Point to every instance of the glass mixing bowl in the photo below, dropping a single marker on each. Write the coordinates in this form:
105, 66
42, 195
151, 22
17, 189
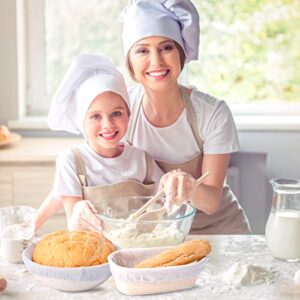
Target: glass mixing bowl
171, 229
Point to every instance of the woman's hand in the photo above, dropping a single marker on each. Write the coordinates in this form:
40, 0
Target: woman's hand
178, 186
84, 217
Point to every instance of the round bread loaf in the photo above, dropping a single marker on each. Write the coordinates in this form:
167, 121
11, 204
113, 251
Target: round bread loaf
4, 133
72, 249
182, 254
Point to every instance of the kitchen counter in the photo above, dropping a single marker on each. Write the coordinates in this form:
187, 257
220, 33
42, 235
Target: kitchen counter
36, 150
226, 250
27, 170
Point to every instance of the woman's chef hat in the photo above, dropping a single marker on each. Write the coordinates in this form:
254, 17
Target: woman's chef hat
175, 19
87, 77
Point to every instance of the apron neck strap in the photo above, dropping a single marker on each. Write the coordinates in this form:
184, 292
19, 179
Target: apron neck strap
80, 167
191, 116
135, 111
149, 168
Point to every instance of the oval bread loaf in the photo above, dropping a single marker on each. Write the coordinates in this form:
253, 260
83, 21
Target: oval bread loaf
72, 249
182, 254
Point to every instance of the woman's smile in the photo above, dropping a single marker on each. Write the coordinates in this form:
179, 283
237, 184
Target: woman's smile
159, 74
155, 60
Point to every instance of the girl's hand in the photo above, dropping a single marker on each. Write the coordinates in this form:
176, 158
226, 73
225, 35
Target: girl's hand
84, 217
178, 186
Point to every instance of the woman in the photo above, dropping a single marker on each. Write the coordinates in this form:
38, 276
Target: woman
92, 100
182, 128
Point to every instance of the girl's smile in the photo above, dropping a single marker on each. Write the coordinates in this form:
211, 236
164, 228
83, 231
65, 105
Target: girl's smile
105, 124
109, 135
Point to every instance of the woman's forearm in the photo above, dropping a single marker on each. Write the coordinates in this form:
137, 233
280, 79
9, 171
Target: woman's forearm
207, 198
208, 195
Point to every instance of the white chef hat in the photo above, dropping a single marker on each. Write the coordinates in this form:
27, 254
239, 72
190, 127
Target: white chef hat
175, 19
88, 76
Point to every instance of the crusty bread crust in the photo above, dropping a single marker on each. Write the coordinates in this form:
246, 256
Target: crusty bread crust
182, 254
4, 133
72, 249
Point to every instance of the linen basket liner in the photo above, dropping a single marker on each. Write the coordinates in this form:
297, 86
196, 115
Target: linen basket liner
121, 264
92, 273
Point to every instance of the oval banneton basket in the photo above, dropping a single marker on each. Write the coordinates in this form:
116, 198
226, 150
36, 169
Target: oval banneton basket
142, 281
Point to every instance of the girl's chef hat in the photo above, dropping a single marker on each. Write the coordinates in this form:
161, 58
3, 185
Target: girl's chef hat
87, 77
176, 19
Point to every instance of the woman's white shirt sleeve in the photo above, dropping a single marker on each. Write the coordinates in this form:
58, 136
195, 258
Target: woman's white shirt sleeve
220, 131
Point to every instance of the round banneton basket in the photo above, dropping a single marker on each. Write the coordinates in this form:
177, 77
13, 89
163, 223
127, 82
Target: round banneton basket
66, 279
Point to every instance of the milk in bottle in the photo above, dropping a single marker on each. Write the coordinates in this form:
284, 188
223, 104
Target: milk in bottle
283, 225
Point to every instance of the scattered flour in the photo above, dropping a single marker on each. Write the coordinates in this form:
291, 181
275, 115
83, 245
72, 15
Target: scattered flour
246, 274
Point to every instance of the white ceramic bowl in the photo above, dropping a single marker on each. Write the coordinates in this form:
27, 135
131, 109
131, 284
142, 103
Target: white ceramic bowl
171, 229
143, 281
66, 279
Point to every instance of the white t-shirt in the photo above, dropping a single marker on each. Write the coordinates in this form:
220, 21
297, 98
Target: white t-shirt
130, 165
176, 143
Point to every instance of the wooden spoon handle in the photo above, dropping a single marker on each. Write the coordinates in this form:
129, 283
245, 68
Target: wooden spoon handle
92, 225
201, 179
136, 214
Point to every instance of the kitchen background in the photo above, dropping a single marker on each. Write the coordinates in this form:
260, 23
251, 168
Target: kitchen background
270, 143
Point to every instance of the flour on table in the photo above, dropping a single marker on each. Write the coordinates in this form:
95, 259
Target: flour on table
246, 274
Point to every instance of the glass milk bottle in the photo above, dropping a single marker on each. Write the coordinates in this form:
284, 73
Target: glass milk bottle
283, 225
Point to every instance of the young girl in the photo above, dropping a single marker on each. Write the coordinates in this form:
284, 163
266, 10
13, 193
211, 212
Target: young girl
92, 99
181, 127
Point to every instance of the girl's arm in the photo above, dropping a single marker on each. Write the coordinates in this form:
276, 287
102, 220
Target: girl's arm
50, 206
81, 214
68, 203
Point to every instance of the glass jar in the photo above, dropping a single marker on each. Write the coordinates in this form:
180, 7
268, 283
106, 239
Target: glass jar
16, 231
283, 225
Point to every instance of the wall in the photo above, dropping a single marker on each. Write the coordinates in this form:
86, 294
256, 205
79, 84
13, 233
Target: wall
283, 161
282, 147
8, 61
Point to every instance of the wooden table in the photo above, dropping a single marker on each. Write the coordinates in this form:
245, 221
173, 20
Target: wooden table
227, 250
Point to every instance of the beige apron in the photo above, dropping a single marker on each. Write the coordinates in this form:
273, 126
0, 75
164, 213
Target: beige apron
102, 194
230, 218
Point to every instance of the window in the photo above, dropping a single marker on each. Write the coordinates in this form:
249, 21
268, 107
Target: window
249, 50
